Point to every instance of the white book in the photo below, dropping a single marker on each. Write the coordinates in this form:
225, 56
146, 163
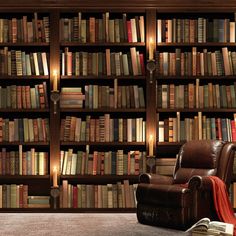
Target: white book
45, 64
73, 164
41, 159
133, 30
64, 167
142, 29
129, 130
159, 30
232, 32
161, 131
28, 66
63, 64
36, 64
144, 131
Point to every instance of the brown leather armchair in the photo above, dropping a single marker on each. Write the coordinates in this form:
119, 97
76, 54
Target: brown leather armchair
169, 202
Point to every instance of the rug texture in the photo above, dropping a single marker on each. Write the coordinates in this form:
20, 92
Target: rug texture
68, 224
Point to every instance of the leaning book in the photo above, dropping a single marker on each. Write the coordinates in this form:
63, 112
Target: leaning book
207, 227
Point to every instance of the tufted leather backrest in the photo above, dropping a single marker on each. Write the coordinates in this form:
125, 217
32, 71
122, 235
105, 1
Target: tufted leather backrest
203, 157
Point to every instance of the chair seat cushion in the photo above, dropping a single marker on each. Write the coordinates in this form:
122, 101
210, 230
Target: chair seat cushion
164, 195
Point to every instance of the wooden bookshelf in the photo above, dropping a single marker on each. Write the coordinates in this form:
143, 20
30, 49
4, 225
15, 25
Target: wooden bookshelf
151, 10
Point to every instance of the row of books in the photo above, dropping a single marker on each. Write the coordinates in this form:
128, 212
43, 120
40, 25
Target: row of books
103, 129
165, 166
98, 196
200, 30
102, 163
18, 97
23, 163
103, 29
17, 62
195, 63
196, 96
24, 130
38, 201
173, 129
118, 97
102, 63
22, 30
13, 196
71, 97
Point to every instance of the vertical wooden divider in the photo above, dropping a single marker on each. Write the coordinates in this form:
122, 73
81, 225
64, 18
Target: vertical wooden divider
54, 65
150, 87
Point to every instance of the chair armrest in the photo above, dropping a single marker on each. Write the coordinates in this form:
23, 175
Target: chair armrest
155, 179
200, 182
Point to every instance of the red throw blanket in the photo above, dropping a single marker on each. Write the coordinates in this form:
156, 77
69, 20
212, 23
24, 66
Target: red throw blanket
222, 204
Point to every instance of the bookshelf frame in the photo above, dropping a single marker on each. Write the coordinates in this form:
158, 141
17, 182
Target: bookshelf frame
150, 9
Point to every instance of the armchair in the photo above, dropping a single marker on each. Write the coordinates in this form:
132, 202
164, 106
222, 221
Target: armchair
179, 201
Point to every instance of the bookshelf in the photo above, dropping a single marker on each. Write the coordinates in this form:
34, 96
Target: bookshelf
151, 113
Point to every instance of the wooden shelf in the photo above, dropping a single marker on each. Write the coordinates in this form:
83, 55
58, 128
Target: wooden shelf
207, 44
103, 110
187, 78
206, 110
115, 144
24, 44
98, 44
170, 143
169, 148
99, 179
24, 177
68, 210
33, 110
24, 143
91, 77
24, 77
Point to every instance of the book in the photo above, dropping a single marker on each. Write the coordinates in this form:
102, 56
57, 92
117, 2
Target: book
207, 227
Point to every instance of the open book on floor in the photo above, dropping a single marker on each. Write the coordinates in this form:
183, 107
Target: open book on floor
207, 227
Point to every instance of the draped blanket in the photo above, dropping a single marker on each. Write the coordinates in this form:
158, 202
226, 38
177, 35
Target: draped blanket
222, 204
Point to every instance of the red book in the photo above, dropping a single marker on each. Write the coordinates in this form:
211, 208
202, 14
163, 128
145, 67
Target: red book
75, 197
27, 95
41, 96
129, 32
128, 164
233, 128
36, 130
141, 57
44, 130
25, 196
19, 97
24, 164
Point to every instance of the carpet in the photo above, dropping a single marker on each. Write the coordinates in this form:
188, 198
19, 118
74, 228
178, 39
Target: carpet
73, 224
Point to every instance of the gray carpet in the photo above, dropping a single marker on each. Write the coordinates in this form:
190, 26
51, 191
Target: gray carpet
39, 224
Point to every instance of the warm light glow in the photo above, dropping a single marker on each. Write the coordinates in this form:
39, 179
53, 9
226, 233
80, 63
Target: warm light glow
55, 80
151, 48
150, 145
54, 177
